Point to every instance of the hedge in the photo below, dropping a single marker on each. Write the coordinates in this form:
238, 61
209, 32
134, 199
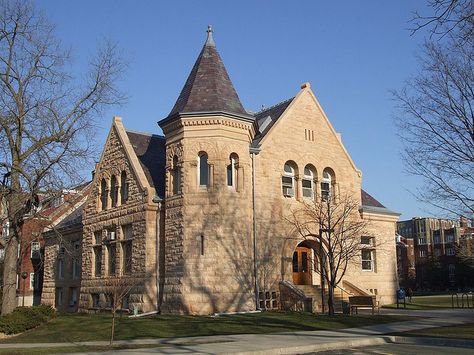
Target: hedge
24, 318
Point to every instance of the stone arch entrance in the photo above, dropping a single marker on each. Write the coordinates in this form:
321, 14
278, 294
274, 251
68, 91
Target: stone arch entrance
305, 264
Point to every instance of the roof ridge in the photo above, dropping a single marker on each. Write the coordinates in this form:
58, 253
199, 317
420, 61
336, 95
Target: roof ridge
273, 106
144, 133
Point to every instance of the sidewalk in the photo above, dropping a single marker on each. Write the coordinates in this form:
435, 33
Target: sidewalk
286, 343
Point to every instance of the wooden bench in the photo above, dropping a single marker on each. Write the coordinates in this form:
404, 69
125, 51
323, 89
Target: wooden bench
356, 302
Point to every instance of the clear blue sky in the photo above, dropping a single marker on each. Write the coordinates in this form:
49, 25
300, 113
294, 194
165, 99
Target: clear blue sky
352, 52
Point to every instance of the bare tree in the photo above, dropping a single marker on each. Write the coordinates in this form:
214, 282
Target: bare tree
119, 290
449, 16
338, 226
46, 117
436, 124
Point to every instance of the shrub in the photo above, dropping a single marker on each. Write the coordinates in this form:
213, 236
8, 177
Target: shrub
24, 318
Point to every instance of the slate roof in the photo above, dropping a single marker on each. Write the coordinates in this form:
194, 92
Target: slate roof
208, 87
151, 152
368, 200
73, 219
274, 112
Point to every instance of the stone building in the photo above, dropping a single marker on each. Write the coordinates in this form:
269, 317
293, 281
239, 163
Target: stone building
434, 243
199, 216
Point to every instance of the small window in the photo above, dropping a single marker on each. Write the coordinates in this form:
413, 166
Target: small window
33, 284
123, 188
421, 240
76, 269
95, 300
326, 184
35, 250
202, 245
288, 181
366, 241
176, 176
60, 269
97, 261
308, 183
452, 273
450, 251
113, 191
423, 253
295, 262
103, 194
127, 257
74, 296
232, 171
449, 238
203, 166
59, 296
98, 237
127, 232
112, 251
367, 260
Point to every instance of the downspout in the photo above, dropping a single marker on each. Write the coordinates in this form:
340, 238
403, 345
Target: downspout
253, 152
159, 201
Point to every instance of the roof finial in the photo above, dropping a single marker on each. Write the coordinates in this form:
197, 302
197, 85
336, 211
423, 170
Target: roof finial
210, 40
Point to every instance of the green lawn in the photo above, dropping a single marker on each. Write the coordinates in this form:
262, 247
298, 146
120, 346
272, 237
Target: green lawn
427, 302
464, 331
86, 327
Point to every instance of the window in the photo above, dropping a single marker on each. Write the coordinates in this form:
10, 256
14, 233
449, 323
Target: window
59, 297
35, 250
113, 191
308, 182
232, 170
127, 257
176, 176
295, 262
449, 238
422, 253
76, 269
450, 251
202, 245
452, 272
103, 194
33, 284
288, 180
366, 241
61, 269
436, 239
98, 237
326, 185
127, 231
367, 260
61, 252
73, 296
203, 167
112, 254
6, 230
95, 300
421, 240
97, 261
109, 300
123, 188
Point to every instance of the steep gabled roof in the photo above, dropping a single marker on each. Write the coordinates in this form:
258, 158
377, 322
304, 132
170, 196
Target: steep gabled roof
274, 113
208, 88
151, 152
368, 200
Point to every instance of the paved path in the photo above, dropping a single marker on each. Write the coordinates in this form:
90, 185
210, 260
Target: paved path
290, 342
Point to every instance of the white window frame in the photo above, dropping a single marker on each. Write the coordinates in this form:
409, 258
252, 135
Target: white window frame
233, 173
288, 189
32, 280
370, 261
421, 240
308, 175
423, 253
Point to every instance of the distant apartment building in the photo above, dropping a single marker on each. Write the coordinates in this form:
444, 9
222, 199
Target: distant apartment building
427, 251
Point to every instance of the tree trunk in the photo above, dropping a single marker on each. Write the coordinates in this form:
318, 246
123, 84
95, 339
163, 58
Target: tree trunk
330, 299
9, 301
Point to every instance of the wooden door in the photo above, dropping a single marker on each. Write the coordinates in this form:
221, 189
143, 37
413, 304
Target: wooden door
302, 266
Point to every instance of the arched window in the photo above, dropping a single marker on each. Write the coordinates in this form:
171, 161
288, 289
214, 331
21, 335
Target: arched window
308, 182
326, 185
123, 188
103, 194
203, 167
113, 191
288, 180
176, 176
232, 170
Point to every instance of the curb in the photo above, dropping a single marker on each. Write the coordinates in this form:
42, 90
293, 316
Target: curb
455, 343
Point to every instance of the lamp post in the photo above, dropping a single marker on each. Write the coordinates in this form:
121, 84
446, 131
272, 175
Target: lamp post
24, 275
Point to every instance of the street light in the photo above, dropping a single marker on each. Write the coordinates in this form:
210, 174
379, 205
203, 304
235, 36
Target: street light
24, 275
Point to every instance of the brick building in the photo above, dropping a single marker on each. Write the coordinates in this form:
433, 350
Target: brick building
193, 215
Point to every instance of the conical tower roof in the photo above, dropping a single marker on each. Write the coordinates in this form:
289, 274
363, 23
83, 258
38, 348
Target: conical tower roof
208, 87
